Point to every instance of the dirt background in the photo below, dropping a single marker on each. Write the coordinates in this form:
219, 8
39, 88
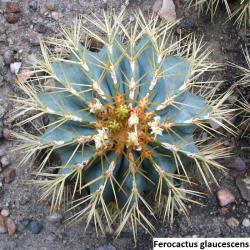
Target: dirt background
39, 19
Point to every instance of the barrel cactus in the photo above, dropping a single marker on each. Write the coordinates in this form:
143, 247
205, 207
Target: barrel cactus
208, 6
244, 70
121, 119
244, 82
241, 14
239, 11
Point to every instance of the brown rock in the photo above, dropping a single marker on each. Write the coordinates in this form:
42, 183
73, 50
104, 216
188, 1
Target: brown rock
3, 228
6, 133
223, 211
13, 7
168, 10
238, 164
57, 15
225, 197
243, 183
9, 175
237, 167
12, 18
43, 10
5, 212
41, 28
24, 75
11, 227
233, 223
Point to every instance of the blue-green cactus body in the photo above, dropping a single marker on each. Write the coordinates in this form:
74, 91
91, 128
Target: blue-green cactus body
175, 71
121, 121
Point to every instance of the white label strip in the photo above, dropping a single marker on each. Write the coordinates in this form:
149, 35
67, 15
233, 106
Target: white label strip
201, 243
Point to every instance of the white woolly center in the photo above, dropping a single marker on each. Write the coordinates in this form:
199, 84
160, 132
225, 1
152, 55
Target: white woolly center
97, 106
73, 118
98, 89
133, 138
155, 126
101, 139
133, 120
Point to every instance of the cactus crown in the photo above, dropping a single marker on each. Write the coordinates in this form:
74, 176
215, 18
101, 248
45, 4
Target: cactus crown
121, 119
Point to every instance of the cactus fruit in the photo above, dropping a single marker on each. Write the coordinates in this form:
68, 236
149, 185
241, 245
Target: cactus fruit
239, 11
121, 120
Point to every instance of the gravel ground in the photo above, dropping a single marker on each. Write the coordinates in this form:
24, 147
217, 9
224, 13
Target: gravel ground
20, 33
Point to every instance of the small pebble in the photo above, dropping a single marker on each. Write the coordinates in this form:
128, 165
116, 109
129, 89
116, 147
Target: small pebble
238, 164
9, 175
35, 227
6, 133
57, 15
5, 212
33, 5
15, 67
11, 227
8, 56
246, 222
109, 230
232, 223
43, 10
12, 18
5, 161
225, 197
51, 237
223, 211
54, 218
41, 28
